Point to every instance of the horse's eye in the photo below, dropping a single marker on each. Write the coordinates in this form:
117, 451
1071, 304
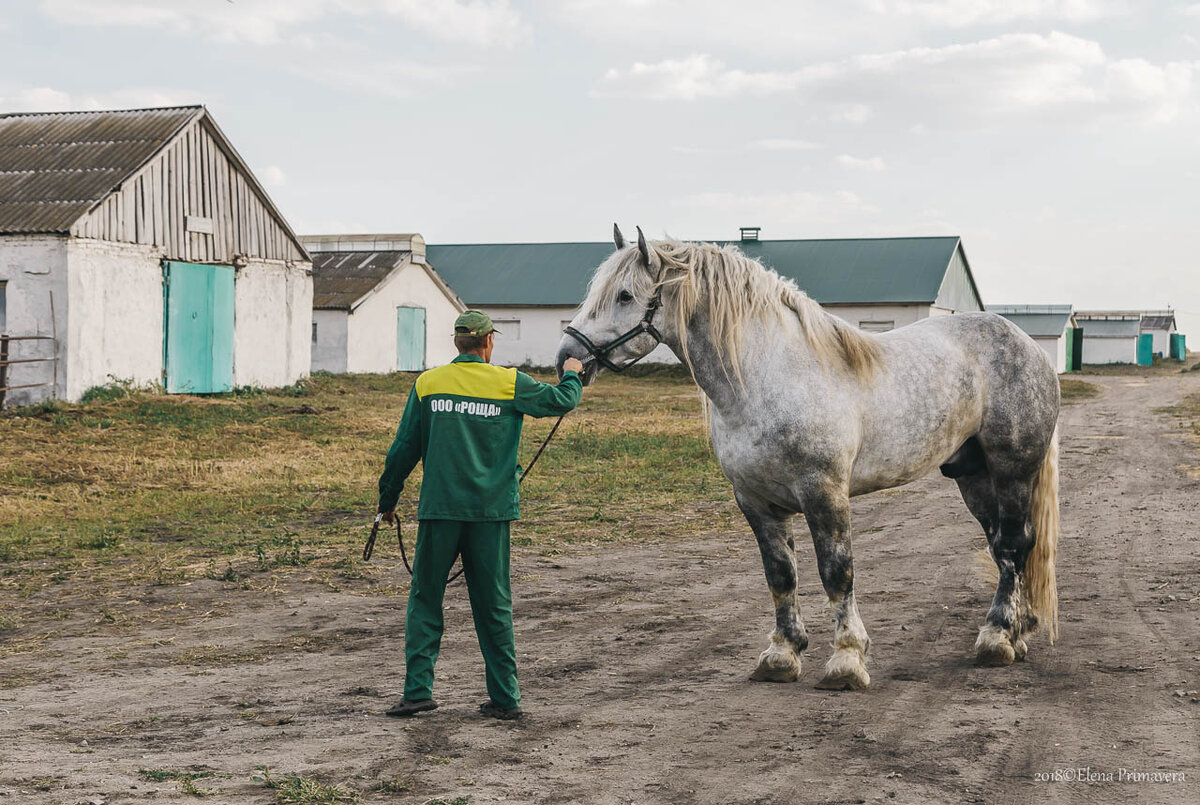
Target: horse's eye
624, 297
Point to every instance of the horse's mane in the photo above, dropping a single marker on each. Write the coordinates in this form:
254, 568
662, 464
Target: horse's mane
734, 290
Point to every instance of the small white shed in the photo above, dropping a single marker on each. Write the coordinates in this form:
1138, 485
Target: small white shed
1051, 326
378, 306
1110, 336
137, 245
1160, 324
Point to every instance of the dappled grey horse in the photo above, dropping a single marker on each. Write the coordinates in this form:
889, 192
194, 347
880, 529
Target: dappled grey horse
807, 411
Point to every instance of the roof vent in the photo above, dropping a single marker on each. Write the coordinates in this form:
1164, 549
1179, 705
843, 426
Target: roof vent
750, 233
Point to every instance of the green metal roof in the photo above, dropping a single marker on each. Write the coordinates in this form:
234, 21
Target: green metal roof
845, 271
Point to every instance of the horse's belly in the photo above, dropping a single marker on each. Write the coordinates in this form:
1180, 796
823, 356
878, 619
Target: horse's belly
886, 463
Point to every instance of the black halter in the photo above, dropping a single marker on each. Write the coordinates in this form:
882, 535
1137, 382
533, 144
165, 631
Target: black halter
600, 353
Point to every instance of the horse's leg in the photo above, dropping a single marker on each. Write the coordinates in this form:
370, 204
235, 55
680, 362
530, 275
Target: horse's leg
829, 521
780, 662
980, 496
1011, 539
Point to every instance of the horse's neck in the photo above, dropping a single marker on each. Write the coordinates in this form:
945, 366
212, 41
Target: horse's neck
767, 348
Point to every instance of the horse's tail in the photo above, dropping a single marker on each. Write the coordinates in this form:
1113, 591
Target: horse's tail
1041, 590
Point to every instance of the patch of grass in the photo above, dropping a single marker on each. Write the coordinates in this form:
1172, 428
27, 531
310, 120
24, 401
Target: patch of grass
116, 389
1075, 390
303, 790
396, 786
165, 775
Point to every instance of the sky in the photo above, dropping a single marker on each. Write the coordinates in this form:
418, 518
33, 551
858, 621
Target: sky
1059, 138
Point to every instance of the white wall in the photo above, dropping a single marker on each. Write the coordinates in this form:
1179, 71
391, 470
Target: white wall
371, 332
1055, 349
1162, 342
900, 314
34, 267
329, 351
272, 332
1108, 350
115, 324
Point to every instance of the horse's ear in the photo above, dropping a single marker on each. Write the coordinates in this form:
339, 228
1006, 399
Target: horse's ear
643, 248
618, 238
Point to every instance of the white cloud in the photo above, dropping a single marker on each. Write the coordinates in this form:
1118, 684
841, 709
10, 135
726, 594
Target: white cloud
963, 13
1056, 76
851, 113
818, 27
1191, 11
269, 22
343, 66
798, 205
48, 99
783, 144
272, 176
873, 164
696, 76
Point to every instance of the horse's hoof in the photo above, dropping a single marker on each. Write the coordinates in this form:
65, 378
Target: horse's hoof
777, 664
994, 649
845, 671
1020, 649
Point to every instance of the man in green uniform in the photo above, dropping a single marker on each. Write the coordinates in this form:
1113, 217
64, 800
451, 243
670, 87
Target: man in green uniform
463, 421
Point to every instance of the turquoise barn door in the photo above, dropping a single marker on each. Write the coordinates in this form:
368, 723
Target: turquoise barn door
1145, 349
410, 339
198, 322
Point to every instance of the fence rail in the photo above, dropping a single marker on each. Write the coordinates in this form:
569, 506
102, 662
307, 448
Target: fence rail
6, 362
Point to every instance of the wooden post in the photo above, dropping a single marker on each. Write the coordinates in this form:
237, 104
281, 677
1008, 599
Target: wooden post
3, 369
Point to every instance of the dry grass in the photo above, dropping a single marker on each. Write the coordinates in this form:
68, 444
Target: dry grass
147, 489
1074, 391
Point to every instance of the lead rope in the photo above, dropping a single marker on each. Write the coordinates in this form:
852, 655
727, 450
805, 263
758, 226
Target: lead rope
369, 548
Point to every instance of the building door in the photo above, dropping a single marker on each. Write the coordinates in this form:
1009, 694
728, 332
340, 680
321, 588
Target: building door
410, 339
198, 324
1145, 349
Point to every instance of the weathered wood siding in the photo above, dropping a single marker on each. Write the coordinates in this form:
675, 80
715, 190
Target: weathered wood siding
192, 177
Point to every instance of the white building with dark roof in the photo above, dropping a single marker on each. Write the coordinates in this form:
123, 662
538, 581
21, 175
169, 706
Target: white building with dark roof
1054, 329
378, 306
1110, 336
137, 245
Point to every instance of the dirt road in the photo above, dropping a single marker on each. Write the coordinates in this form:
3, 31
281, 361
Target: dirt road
635, 664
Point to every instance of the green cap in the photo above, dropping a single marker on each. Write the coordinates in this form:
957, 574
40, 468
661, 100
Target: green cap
474, 322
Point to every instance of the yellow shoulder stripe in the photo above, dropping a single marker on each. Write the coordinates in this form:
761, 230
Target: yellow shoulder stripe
469, 379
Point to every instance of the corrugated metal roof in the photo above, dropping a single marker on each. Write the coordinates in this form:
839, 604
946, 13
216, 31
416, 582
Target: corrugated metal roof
1039, 325
1158, 322
342, 278
55, 166
846, 271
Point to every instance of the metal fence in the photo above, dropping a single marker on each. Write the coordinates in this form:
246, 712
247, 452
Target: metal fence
7, 361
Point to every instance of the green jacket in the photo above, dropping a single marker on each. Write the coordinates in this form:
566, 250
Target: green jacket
463, 421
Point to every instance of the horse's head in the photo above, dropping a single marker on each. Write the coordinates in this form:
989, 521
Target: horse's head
621, 320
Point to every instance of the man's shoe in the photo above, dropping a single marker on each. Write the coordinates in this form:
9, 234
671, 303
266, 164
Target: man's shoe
493, 710
410, 707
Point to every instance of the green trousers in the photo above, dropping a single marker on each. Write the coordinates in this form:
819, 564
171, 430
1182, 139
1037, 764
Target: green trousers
484, 547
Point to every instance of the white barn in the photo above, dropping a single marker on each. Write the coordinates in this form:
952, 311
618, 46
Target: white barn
1160, 324
531, 290
378, 306
1051, 326
137, 245
1110, 336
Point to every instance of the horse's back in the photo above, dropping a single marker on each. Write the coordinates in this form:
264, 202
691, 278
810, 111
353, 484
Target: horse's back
1018, 383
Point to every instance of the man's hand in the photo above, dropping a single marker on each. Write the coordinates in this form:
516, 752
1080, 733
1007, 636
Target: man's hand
573, 365
388, 517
